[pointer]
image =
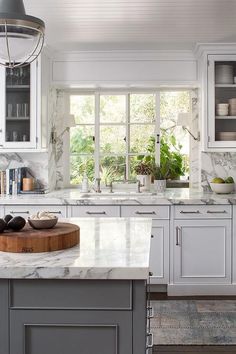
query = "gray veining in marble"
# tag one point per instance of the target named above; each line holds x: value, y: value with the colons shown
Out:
x: 110, y: 248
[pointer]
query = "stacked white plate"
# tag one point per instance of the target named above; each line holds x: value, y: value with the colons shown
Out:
x: 226, y: 136
x: 232, y: 106
x: 224, y: 74
x: 222, y: 109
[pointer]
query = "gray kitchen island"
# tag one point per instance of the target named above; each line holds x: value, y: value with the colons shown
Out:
x: 90, y: 299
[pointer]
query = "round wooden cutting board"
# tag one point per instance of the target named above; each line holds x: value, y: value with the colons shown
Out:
x: 28, y: 240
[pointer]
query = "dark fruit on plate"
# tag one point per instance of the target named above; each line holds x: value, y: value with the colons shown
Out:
x: 16, y: 224
x: 7, y: 218
x: 3, y: 225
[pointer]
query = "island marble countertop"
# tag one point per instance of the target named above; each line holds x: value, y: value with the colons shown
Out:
x: 109, y: 248
x: 172, y: 196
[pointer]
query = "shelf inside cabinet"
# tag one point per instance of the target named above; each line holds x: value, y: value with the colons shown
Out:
x: 225, y: 117
x: 17, y: 118
x: 226, y: 85
x: 18, y: 87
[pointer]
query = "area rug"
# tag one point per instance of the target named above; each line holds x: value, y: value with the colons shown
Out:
x: 200, y: 322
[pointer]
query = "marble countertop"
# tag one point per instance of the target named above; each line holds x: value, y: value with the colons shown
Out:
x: 75, y: 197
x: 110, y: 248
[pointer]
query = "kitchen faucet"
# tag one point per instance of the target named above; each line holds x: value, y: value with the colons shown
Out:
x: 97, y: 185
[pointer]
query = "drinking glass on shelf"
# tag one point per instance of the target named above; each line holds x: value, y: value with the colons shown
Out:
x: 15, y: 135
x: 19, y: 110
x: 9, y: 110
x: 8, y: 136
x: 25, y: 110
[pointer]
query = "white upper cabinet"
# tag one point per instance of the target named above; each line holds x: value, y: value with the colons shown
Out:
x: 20, y: 109
x: 222, y: 101
x: 217, y: 68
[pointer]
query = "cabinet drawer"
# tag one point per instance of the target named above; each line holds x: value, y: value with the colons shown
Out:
x: 71, y: 294
x: 26, y: 210
x: 155, y: 212
x: 95, y: 211
x: 203, y: 211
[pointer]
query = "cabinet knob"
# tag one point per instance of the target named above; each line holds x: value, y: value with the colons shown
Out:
x: 152, y: 236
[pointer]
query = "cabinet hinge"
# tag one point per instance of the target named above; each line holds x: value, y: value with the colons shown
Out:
x: 208, y: 62
x: 37, y: 140
x: 209, y: 138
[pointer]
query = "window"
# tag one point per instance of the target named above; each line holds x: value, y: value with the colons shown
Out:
x: 112, y: 130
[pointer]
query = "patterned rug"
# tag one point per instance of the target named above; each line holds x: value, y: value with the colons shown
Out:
x: 200, y: 322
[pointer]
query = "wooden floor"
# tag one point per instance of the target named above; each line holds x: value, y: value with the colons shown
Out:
x: 194, y: 349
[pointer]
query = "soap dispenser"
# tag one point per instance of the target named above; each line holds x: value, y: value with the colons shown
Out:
x: 85, y: 184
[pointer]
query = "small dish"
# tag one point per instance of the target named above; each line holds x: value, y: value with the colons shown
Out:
x: 222, y: 188
x: 43, y: 224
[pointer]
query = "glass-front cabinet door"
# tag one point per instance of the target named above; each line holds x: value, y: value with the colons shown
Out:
x: 222, y: 101
x: 18, y: 111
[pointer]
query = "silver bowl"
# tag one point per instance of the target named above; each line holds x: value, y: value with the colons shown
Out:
x: 43, y: 224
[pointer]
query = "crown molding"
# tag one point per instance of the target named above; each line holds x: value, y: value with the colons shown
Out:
x: 123, y: 55
x: 214, y: 48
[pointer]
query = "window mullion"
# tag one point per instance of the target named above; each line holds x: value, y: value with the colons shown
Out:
x: 127, y: 136
x: 97, y: 135
x: 157, y: 127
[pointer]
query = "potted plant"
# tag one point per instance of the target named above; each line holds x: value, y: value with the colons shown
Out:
x: 160, y: 174
x: 144, y: 174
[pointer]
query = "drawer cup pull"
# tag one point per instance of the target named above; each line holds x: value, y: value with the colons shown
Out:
x: 145, y: 213
x: 216, y: 212
x: 96, y: 212
x: 189, y: 212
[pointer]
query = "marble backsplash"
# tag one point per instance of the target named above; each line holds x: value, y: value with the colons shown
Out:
x: 217, y: 164
x: 36, y: 162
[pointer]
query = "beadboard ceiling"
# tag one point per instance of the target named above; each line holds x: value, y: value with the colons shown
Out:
x: 134, y: 24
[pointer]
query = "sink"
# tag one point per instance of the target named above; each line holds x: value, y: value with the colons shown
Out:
x: 116, y: 194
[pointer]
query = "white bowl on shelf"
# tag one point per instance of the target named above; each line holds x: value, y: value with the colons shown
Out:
x: 222, y: 188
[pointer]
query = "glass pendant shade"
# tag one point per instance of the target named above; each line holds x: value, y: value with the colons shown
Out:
x: 21, y: 36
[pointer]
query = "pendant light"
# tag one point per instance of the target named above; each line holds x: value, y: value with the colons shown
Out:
x: 21, y: 35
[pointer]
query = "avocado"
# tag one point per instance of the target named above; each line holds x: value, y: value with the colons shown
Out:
x: 3, y: 225
x: 16, y: 224
x: 229, y: 180
x: 7, y: 218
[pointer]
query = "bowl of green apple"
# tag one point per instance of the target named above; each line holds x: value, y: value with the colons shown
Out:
x: 222, y: 186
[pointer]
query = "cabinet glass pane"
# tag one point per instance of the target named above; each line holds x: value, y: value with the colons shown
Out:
x: 225, y: 101
x: 18, y: 104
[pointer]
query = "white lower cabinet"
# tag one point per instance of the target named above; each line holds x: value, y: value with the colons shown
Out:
x: 94, y: 211
x: 26, y: 210
x: 159, y: 256
x: 202, y: 251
